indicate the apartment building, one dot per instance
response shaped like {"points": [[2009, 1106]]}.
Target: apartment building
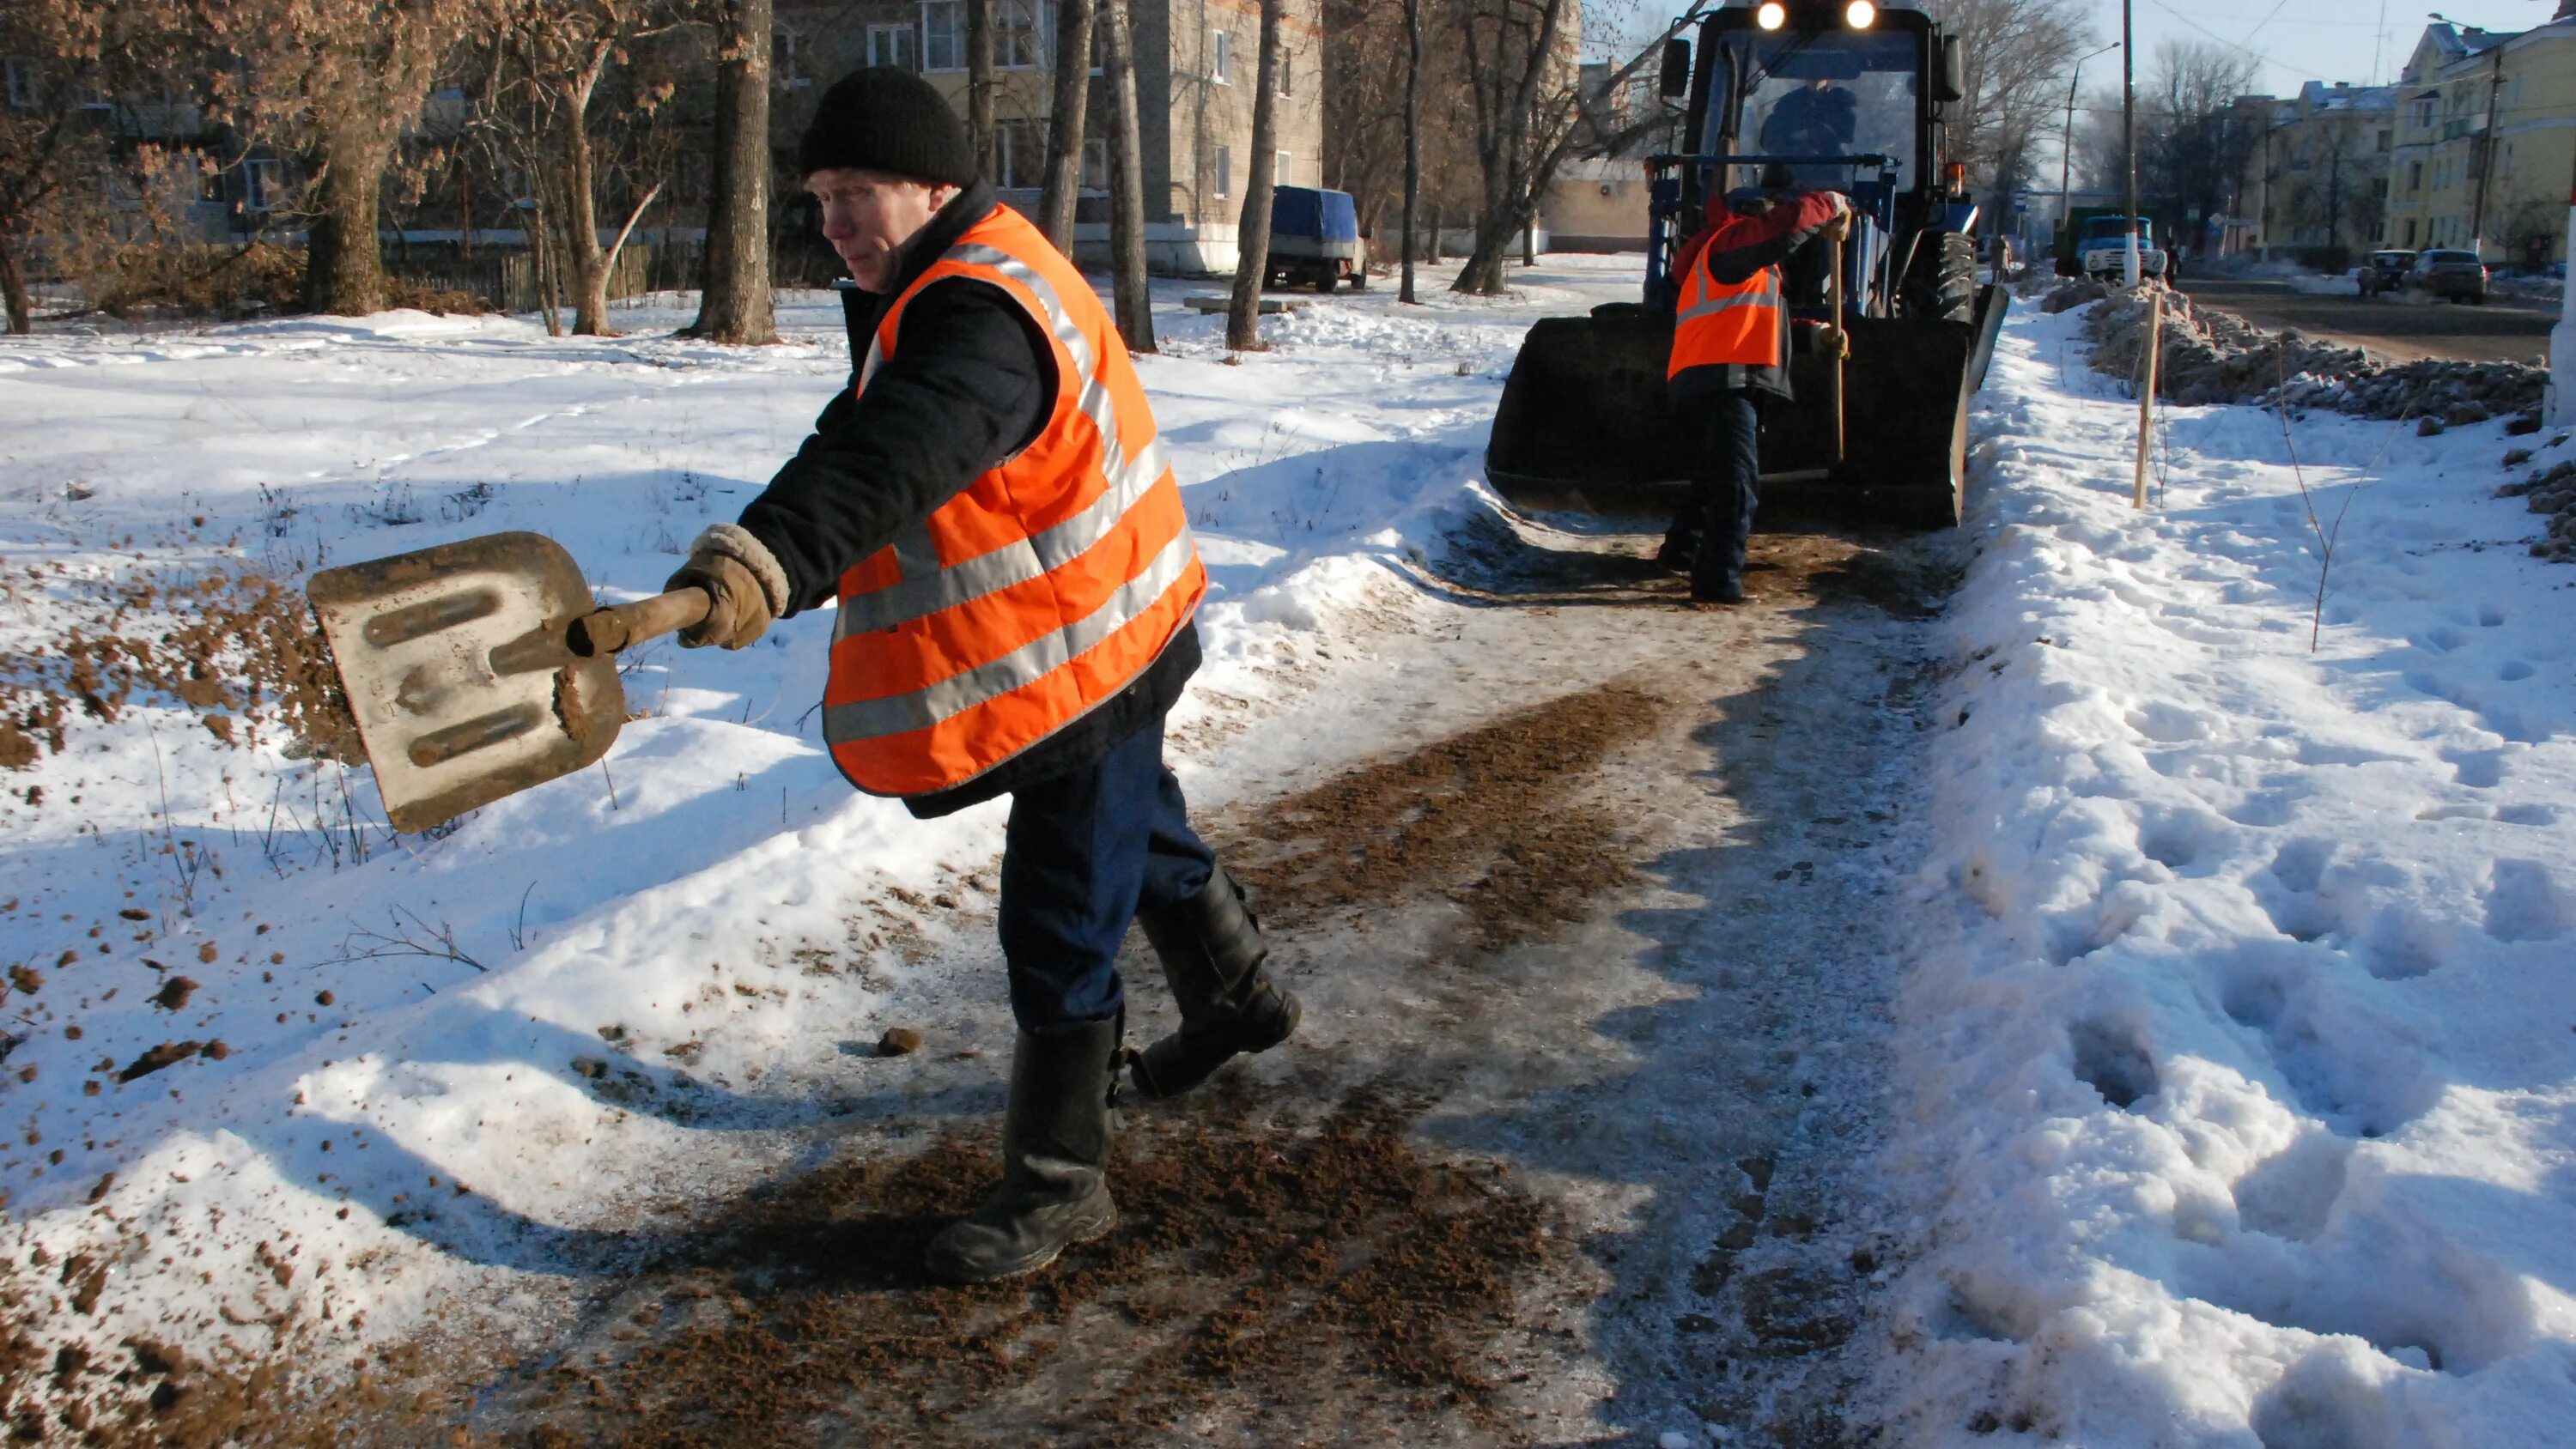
{"points": [[2318, 185], [1196, 70], [2485, 146]]}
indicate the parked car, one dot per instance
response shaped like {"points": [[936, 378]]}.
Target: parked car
{"points": [[2443, 272], [2384, 272], [1315, 239]]}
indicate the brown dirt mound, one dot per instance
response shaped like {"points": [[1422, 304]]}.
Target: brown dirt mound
{"points": [[1493, 818], [1256, 1264], [239, 649]]}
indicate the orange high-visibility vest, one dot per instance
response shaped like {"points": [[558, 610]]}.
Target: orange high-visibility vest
{"points": [[1046, 587], [1718, 323]]}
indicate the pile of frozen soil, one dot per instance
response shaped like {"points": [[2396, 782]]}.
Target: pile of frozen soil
{"points": [[2551, 491], [2208, 356]]}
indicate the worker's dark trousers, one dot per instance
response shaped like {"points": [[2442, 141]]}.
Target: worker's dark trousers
{"points": [[1723, 488], [1082, 851]]}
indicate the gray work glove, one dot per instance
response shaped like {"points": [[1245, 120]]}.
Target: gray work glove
{"points": [[744, 585]]}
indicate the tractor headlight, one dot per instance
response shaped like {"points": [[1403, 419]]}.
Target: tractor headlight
{"points": [[1860, 14], [1771, 15]]}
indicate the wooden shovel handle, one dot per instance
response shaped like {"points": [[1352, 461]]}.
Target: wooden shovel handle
{"points": [[606, 631]]}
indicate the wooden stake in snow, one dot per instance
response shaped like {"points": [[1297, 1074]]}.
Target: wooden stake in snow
{"points": [[2147, 393]]}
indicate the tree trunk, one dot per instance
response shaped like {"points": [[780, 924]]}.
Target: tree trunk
{"points": [[1132, 303], [344, 267], [1064, 129], [979, 87], [736, 306], [1252, 234], [581, 228], [1412, 138], [13, 291]]}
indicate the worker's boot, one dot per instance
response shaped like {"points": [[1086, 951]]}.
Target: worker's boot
{"points": [[1211, 950], [1679, 548], [1055, 1155]]}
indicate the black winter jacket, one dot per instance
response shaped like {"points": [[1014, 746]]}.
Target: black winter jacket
{"points": [[972, 384]]}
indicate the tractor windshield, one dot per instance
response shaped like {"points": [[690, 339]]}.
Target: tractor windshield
{"points": [[1832, 93]]}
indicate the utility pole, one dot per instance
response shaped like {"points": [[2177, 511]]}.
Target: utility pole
{"points": [[2486, 154], [2558, 402], [2066, 155], [2129, 259]]}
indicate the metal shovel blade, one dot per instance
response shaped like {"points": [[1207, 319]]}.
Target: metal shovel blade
{"points": [[454, 662]]}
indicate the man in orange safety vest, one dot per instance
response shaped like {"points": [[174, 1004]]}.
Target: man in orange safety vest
{"points": [[1730, 352], [991, 508]]}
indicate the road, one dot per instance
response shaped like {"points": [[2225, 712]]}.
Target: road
{"points": [[2499, 331]]}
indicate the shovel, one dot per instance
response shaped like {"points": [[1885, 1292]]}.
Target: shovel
{"points": [[477, 669]]}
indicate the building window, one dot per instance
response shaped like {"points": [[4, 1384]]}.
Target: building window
{"points": [[20, 78], [943, 35], [895, 45], [2410, 231], [2414, 177], [1020, 34], [1224, 172], [1022, 142], [782, 60], [1286, 88], [1279, 172], [264, 184], [1221, 60], [1095, 164]]}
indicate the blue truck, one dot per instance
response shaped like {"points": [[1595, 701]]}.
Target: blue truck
{"points": [[2101, 250], [1315, 239]]}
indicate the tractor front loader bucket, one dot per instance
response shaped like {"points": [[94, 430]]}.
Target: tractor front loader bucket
{"points": [[1584, 425]]}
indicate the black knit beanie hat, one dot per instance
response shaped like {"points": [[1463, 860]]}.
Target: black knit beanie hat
{"points": [[884, 119]]}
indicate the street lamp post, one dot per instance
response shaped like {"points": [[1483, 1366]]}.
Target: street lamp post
{"points": [[2066, 152], [2130, 261]]}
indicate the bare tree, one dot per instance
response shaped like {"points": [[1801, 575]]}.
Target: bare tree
{"points": [[979, 82], [565, 48], [736, 305], [47, 141], [2194, 141], [1252, 233], [1412, 139], [1131, 301], [2016, 53], [1064, 129], [339, 80], [1529, 105]]}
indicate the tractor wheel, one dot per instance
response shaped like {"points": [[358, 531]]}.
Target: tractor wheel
{"points": [[1943, 281]]}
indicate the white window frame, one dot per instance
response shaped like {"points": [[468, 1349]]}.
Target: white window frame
{"points": [[1020, 142], [1287, 55], [954, 11], [903, 40], [1224, 173], [782, 59], [1280, 161], [1221, 58]]}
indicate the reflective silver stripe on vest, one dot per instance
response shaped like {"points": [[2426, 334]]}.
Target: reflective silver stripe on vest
{"points": [[1766, 295], [870, 719], [926, 587]]}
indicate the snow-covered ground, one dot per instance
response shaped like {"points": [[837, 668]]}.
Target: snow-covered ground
{"points": [[2238, 1050], [2242, 1052]]}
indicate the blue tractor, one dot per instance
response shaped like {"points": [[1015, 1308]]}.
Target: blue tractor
{"points": [[1811, 94]]}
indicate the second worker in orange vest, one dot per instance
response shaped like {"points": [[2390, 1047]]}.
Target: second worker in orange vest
{"points": [[1730, 353], [1017, 587]]}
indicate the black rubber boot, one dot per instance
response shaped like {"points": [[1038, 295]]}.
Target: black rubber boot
{"points": [[1211, 950], [1055, 1153]]}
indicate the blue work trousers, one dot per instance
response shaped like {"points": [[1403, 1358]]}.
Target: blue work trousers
{"points": [[1724, 488], [1082, 852]]}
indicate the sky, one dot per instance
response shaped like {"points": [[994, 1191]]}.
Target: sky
{"points": [[2362, 41]]}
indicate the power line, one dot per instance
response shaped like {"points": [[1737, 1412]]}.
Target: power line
{"points": [[2232, 45]]}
